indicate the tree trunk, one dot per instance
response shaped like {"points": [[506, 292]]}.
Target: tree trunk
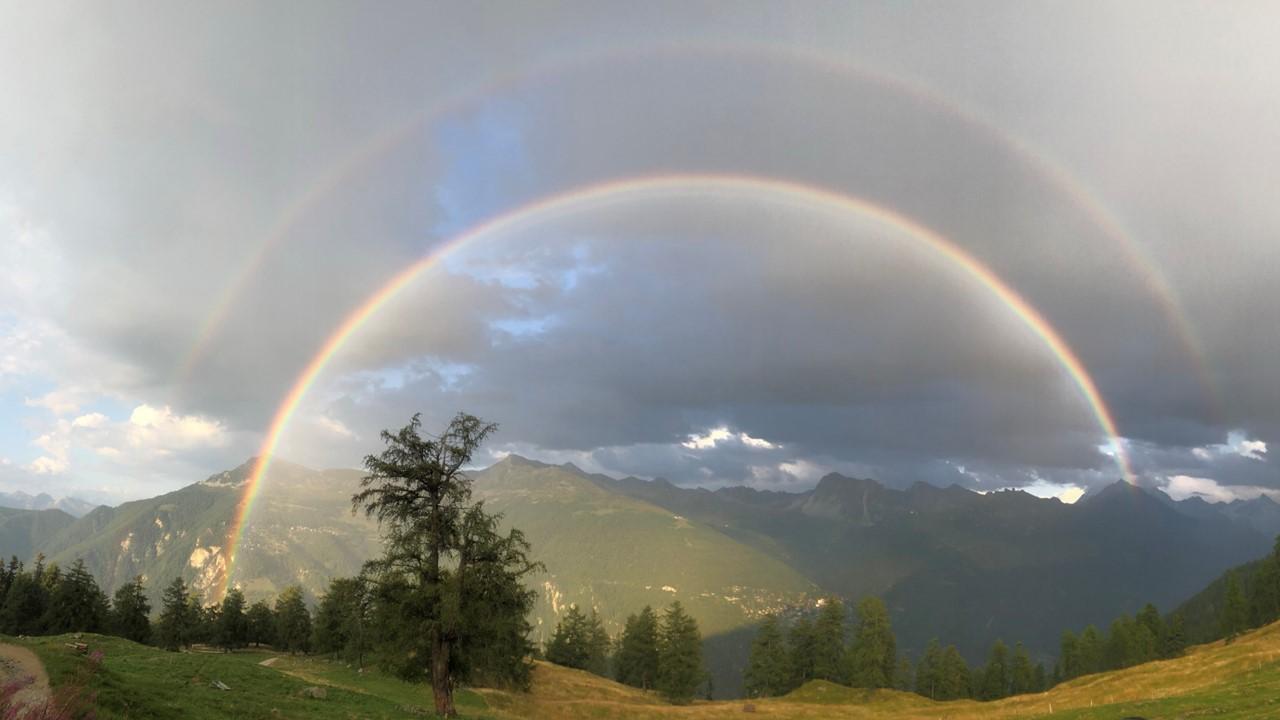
{"points": [[441, 683]]}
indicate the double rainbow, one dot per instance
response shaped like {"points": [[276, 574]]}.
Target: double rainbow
{"points": [[630, 189]]}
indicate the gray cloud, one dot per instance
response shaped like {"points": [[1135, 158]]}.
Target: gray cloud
{"points": [[150, 156]]}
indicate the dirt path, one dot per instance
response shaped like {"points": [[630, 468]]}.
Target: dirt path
{"points": [[19, 662]]}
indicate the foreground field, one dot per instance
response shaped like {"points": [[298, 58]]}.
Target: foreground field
{"points": [[1240, 680]]}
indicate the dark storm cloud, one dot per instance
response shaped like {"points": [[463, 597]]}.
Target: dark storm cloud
{"points": [[157, 152]]}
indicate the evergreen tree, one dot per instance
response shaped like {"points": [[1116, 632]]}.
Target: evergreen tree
{"points": [[342, 621], [996, 675], [261, 622], [76, 603], [1152, 641], [680, 669], [232, 629], [293, 621], [1070, 664], [177, 617], [928, 672], [955, 680], [1175, 639], [800, 645], [1091, 651], [24, 606], [455, 579], [1039, 679], [1234, 617], [130, 612], [569, 645], [768, 673], [637, 658], [1021, 673], [903, 676], [874, 652], [1120, 646], [597, 645], [829, 642]]}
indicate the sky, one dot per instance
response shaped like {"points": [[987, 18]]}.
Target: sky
{"points": [[720, 243]]}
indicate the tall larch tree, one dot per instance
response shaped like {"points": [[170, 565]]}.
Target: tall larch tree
{"points": [[443, 555]]}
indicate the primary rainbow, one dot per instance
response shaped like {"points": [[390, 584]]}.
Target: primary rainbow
{"points": [[627, 189]]}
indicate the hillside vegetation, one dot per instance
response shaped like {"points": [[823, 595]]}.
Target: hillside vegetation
{"points": [[1236, 680]]}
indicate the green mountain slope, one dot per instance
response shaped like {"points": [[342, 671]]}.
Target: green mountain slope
{"points": [[617, 554], [23, 532], [300, 531], [968, 568]]}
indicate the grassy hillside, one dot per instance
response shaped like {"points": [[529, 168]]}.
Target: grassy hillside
{"points": [[1240, 680], [139, 682]]}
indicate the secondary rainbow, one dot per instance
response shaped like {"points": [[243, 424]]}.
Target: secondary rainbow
{"points": [[630, 189]]}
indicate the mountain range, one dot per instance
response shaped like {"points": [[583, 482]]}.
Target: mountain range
{"points": [[950, 563], [20, 500]]}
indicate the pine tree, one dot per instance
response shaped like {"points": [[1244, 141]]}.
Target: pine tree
{"points": [[1021, 673], [955, 680], [597, 645], [1070, 664], [130, 612], [928, 672], [680, 669], [637, 658], [996, 674], [24, 606], [76, 603], [1175, 640], [293, 621], [800, 645], [1234, 617], [177, 618], [342, 620], [903, 676], [768, 673], [1091, 651], [1153, 641], [569, 645], [829, 642], [1039, 679], [874, 652], [232, 630], [261, 622]]}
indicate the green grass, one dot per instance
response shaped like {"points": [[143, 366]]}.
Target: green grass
{"points": [[139, 682], [1239, 681]]}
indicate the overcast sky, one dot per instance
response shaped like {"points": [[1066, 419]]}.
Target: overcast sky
{"points": [[194, 196]]}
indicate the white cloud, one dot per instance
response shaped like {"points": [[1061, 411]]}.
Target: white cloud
{"points": [[160, 429], [1237, 444], [717, 435], [335, 426], [1181, 487], [92, 421]]}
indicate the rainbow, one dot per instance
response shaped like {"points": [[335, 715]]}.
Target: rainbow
{"points": [[364, 153], [629, 189]]}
